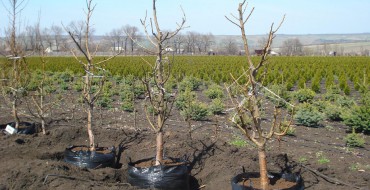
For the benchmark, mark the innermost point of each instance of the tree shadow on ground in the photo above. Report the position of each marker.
(197, 160)
(125, 144)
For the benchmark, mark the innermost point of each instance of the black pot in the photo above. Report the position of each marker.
(160, 177)
(289, 177)
(89, 159)
(28, 128)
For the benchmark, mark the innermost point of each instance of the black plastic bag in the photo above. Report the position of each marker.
(88, 159)
(161, 177)
(289, 177)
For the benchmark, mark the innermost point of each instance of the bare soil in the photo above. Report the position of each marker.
(278, 184)
(36, 161)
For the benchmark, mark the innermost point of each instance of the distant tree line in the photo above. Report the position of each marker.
(55, 41)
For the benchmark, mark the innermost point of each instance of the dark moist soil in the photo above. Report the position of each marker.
(36, 161)
(254, 183)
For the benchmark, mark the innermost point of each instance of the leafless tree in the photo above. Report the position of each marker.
(250, 105)
(191, 41)
(230, 46)
(117, 38)
(133, 32)
(17, 73)
(57, 34)
(177, 41)
(292, 47)
(29, 38)
(41, 108)
(207, 41)
(47, 38)
(90, 67)
(160, 74)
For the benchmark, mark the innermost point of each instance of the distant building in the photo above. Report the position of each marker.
(118, 48)
(51, 49)
(169, 49)
(333, 53)
(270, 52)
(211, 52)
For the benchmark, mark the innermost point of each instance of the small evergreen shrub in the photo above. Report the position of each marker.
(78, 86)
(315, 86)
(66, 76)
(358, 117)
(214, 91)
(197, 111)
(217, 106)
(34, 82)
(184, 99)
(302, 83)
(127, 106)
(64, 86)
(304, 95)
(127, 93)
(354, 140)
(104, 102)
(289, 85)
(138, 89)
(50, 89)
(345, 101)
(333, 112)
(191, 83)
(308, 115)
(108, 89)
(347, 90)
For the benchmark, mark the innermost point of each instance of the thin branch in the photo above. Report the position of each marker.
(143, 22)
(233, 22)
(140, 45)
(148, 118)
(77, 44)
(245, 21)
(329, 179)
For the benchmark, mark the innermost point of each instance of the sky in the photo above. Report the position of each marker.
(205, 16)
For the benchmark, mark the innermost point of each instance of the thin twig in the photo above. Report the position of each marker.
(329, 179)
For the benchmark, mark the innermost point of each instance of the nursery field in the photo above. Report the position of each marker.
(330, 96)
(289, 70)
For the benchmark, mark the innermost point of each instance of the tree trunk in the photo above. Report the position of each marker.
(263, 168)
(89, 127)
(15, 113)
(43, 126)
(42, 105)
(159, 155)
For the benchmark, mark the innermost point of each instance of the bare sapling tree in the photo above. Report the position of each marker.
(250, 105)
(17, 74)
(159, 99)
(38, 99)
(90, 96)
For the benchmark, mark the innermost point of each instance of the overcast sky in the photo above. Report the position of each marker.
(204, 16)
